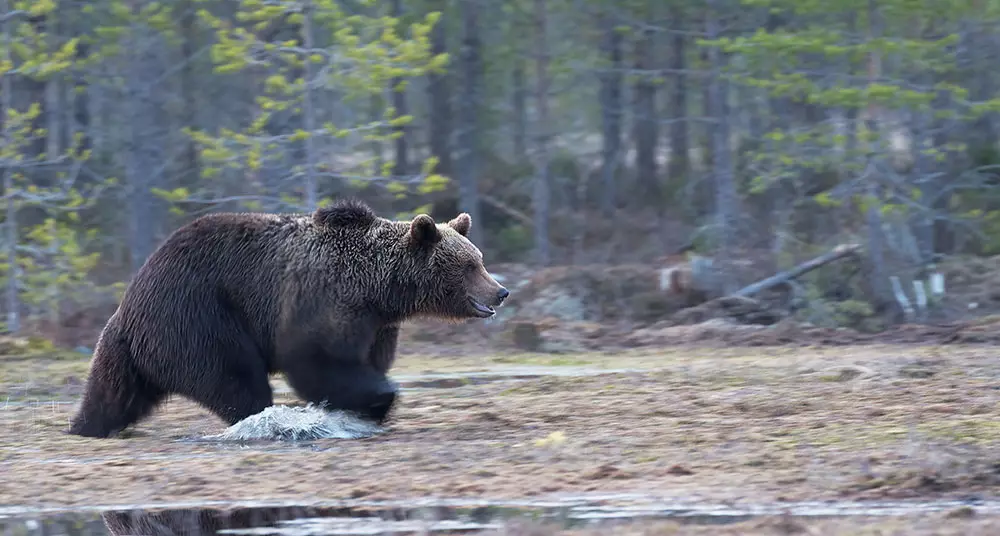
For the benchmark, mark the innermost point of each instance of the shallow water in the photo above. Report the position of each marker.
(505, 374)
(457, 379)
(429, 516)
(408, 383)
(423, 516)
(282, 422)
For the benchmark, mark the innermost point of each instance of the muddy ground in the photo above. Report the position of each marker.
(951, 524)
(736, 425)
(947, 525)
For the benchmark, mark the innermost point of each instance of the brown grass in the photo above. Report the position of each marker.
(723, 425)
(949, 524)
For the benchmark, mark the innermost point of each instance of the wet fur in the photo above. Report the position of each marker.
(231, 298)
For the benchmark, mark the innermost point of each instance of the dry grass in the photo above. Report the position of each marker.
(950, 524)
(737, 425)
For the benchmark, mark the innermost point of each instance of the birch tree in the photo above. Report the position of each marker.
(908, 53)
(42, 260)
(333, 59)
(542, 171)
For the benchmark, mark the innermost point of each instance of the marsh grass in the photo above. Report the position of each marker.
(763, 423)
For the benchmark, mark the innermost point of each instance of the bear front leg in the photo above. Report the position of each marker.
(383, 352)
(338, 375)
(358, 387)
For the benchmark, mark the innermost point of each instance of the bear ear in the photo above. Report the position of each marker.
(423, 231)
(462, 223)
(348, 212)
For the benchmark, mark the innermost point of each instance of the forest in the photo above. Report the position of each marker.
(752, 249)
(744, 135)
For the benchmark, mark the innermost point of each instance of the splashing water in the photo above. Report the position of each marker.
(292, 423)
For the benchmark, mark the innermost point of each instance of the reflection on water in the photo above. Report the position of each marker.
(429, 517)
(206, 521)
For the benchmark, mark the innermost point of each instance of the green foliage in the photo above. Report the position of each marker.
(512, 242)
(989, 220)
(353, 57)
(410, 214)
(55, 268)
(25, 51)
(822, 58)
(54, 264)
(856, 314)
(50, 265)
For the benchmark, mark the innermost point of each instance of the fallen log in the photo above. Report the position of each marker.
(839, 252)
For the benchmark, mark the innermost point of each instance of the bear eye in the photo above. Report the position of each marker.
(470, 267)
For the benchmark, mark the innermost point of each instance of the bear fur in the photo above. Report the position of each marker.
(229, 299)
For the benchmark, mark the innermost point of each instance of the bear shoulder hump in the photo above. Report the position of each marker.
(346, 213)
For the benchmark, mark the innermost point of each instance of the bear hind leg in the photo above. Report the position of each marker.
(239, 386)
(116, 395)
(235, 399)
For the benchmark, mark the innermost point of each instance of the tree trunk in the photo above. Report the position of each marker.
(439, 94)
(375, 112)
(879, 277)
(143, 142)
(837, 253)
(96, 111)
(399, 102)
(520, 119)
(10, 225)
(469, 110)
(80, 123)
(679, 165)
(191, 161)
(979, 42)
(541, 187)
(308, 113)
(646, 122)
(36, 92)
(54, 109)
(930, 186)
(722, 159)
(611, 111)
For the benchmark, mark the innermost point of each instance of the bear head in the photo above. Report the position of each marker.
(455, 282)
(419, 267)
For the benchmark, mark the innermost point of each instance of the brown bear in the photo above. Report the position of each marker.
(228, 299)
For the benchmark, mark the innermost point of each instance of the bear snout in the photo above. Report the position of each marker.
(502, 295)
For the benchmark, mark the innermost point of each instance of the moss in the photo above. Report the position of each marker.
(857, 314)
(566, 362)
(969, 431)
(518, 359)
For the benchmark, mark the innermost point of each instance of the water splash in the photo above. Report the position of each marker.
(295, 423)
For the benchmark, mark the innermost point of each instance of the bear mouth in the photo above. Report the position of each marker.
(482, 310)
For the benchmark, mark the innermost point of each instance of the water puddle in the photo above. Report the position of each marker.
(407, 383)
(290, 422)
(506, 374)
(282, 422)
(430, 516)
(451, 380)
